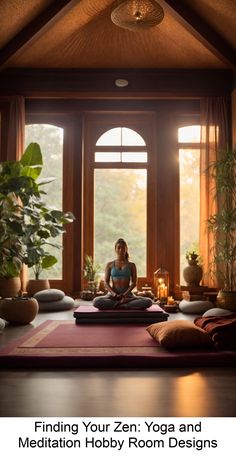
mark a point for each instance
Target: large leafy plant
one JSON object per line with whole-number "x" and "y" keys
{"x": 223, "y": 223}
{"x": 17, "y": 185}
{"x": 27, "y": 224}
{"x": 43, "y": 224}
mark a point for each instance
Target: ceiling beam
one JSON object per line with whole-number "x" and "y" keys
{"x": 201, "y": 30}
{"x": 35, "y": 28}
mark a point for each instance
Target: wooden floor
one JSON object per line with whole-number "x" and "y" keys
{"x": 160, "y": 393}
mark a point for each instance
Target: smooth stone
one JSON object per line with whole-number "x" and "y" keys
{"x": 66, "y": 303}
{"x": 48, "y": 295}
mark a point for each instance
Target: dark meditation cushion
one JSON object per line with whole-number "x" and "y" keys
{"x": 48, "y": 295}
{"x": 89, "y": 314}
{"x": 66, "y": 303}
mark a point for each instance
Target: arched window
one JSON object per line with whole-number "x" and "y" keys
{"x": 120, "y": 195}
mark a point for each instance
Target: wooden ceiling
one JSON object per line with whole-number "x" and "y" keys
{"x": 195, "y": 34}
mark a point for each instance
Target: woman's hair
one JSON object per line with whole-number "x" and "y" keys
{"x": 124, "y": 242}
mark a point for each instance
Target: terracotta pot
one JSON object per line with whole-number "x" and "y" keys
{"x": 19, "y": 310}
{"x": 10, "y": 287}
{"x": 33, "y": 286}
{"x": 192, "y": 275}
{"x": 226, "y": 300}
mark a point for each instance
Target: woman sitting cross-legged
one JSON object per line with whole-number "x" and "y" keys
{"x": 120, "y": 280}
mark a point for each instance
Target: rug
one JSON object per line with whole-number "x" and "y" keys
{"x": 85, "y": 314}
{"x": 63, "y": 344}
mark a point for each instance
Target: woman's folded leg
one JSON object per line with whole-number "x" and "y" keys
{"x": 105, "y": 302}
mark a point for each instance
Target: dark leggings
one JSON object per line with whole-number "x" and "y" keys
{"x": 109, "y": 302}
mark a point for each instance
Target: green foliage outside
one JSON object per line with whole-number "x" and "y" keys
{"x": 120, "y": 211}
{"x": 50, "y": 139}
{"x": 189, "y": 205}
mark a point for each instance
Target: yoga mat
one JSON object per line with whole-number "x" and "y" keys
{"x": 63, "y": 344}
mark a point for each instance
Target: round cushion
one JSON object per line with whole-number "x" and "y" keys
{"x": 2, "y": 324}
{"x": 198, "y": 307}
{"x": 65, "y": 303}
{"x": 48, "y": 295}
{"x": 217, "y": 312}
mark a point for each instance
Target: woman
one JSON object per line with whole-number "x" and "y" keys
{"x": 120, "y": 280}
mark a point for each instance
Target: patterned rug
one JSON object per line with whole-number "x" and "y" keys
{"x": 63, "y": 344}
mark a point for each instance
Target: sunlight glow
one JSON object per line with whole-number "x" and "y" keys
{"x": 120, "y": 136}
{"x": 189, "y": 134}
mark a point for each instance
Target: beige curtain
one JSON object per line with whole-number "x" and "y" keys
{"x": 215, "y": 135}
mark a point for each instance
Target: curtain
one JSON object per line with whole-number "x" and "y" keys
{"x": 16, "y": 128}
{"x": 13, "y": 136}
{"x": 13, "y": 127}
{"x": 215, "y": 136}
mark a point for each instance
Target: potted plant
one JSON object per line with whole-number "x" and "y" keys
{"x": 91, "y": 271}
{"x": 223, "y": 226}
{"x": 193, "y": 272}
{"x": 26, "y": 222}
{"x": 41, "y": 224}
{"x": 17, "y": 185}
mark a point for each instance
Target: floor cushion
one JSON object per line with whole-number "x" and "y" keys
{"x": 217, "y": 312}
{"x": 48, "y": 295}
{"x": 222, "y": 330}
{"x": 66, "y": 303}
{"x": 179, "y": 334}
{"x": 198, "y": 307}
{"x": 88, "y": 314}
{"x": 2, "y": 324}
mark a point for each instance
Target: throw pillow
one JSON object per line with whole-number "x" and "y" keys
{"x": 197, "y": 307}
{"x": 179, "y": 334}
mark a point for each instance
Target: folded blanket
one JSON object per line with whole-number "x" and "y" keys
{"x": 222, "y": 330}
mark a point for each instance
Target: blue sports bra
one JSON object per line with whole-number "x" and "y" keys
{"x": 120, "y": 273}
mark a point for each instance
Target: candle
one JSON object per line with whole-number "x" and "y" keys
{"x": 170, "y": 300}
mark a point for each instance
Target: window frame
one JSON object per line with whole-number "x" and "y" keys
{"x": 68, "y": 260}
{"x": 191, "y": 120}
{"x": 94, "y": 126}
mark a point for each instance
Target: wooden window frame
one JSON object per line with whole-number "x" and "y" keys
{"x": 66, "y": 283}
{"x": 95, "y": 125}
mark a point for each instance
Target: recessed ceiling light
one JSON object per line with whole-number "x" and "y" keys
{"x": 120, "y": 82}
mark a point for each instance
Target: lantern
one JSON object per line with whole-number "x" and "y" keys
{"x": 161, "y": 285}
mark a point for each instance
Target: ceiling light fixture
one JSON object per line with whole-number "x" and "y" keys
{"x": 136, "y": 15}
{"x": 121, "y": 82}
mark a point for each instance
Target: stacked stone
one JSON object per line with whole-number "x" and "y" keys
{"x": 53, "y": 300}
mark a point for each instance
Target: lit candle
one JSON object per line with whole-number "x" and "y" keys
{"x": 170, "y": 300}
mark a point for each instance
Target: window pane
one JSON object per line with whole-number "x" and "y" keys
{"x": 50, "y": 139}
{"x": 120, "y": 211}
{"x": 107, "y": 157}
{"x": 189, "y": 163}
{"x": 120, "y": 136}
{"x": 130, "y": 137}
{"x": 111, "y": 137}
{"x": 134, "y": 157}
{"x": 189, "y": 134}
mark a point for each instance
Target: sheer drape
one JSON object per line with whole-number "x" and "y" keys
{"x": 215, "y": 136}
